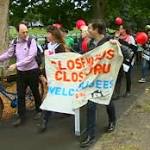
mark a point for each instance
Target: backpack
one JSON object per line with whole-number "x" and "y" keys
{"x": 38, "y": 57}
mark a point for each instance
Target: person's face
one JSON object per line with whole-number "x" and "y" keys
{"x": 23, "y": 31}
{"x": 122, "y": 31}
{"x": 50, "y": 37}
{"x": 92, "y": 32}
{"x": 84, "y": 33}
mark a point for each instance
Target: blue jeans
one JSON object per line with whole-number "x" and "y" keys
{"x": 145, "y": 64}
{"x": 91, "y": 116}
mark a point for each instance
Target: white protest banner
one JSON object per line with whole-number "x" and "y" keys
{"x": 73, "y": 79}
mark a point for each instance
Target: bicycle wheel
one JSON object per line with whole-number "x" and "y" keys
{"x": 6, "y": 110}
{"x": 1, "y": 108}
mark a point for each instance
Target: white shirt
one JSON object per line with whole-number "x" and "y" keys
{"x": 51, "y": 47}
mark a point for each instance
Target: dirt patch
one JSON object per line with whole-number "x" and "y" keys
{"x": 133, "y": 129}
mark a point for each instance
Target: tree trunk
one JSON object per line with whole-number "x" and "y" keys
{"x": 4, "y": 6}
{"x": 98, "y": 8}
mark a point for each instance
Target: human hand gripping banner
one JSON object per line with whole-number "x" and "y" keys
{"x": 73, "y": 79}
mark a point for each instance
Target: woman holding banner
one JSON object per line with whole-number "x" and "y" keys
{"x": 55, "y": 45}
{"x": 96, "y": 31}
{"x": 126, "y": 39}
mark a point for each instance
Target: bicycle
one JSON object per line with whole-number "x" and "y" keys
{"x": 12, "y": 97}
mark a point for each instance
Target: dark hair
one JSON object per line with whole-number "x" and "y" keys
{"x": 56, "y": 33}
{"x": 63, "y": 30}
{"x": 99, "y": 25}
{"x": 18, "y": 26}
{"x": 127, "y": 28}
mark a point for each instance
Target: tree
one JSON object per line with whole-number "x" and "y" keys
{"x": 18, "y": 10}
{"x": 98, "y": 8}
{"x": 134, "y": 12}
{"x": 4, "y": 5}
{"x": 47, "y": 11}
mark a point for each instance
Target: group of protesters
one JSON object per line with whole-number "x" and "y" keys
{"x": 92, "y": 36}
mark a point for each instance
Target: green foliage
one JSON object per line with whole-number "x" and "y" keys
{"x": 37, "y": 31}
{"x": 12, "y": 32}
{"x": 40, "y": 32}
{"x": 33, "y": 32}
{"x": 135, "y": 12}
{"x": 74, "y": 33}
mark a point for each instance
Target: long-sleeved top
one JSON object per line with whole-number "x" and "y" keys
{"x": 25, "y": 56}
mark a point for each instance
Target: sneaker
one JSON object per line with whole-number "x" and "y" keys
{"x": 127, "y": 94}
{"x": 37, "y": 116}
{"x": 111, "y": 127}
{"x": 142, "y": 80}
{"x": 42, "y": 126}
{"x": 87, "y": 141}
{"x": 18, "y": 122}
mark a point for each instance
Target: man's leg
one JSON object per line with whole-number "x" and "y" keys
{"x": 44, "y": 121}
{"x": 111, "y": 116}
{"x": 33, "y": 77}
{"x": 117, "y": 90}
{"x": 91, "y": 124}
{"x": 21, "y": 90}
{"x": 128, "y": 82}
{"x": 144, "y": 69}
{"x": 91, "y": 118}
